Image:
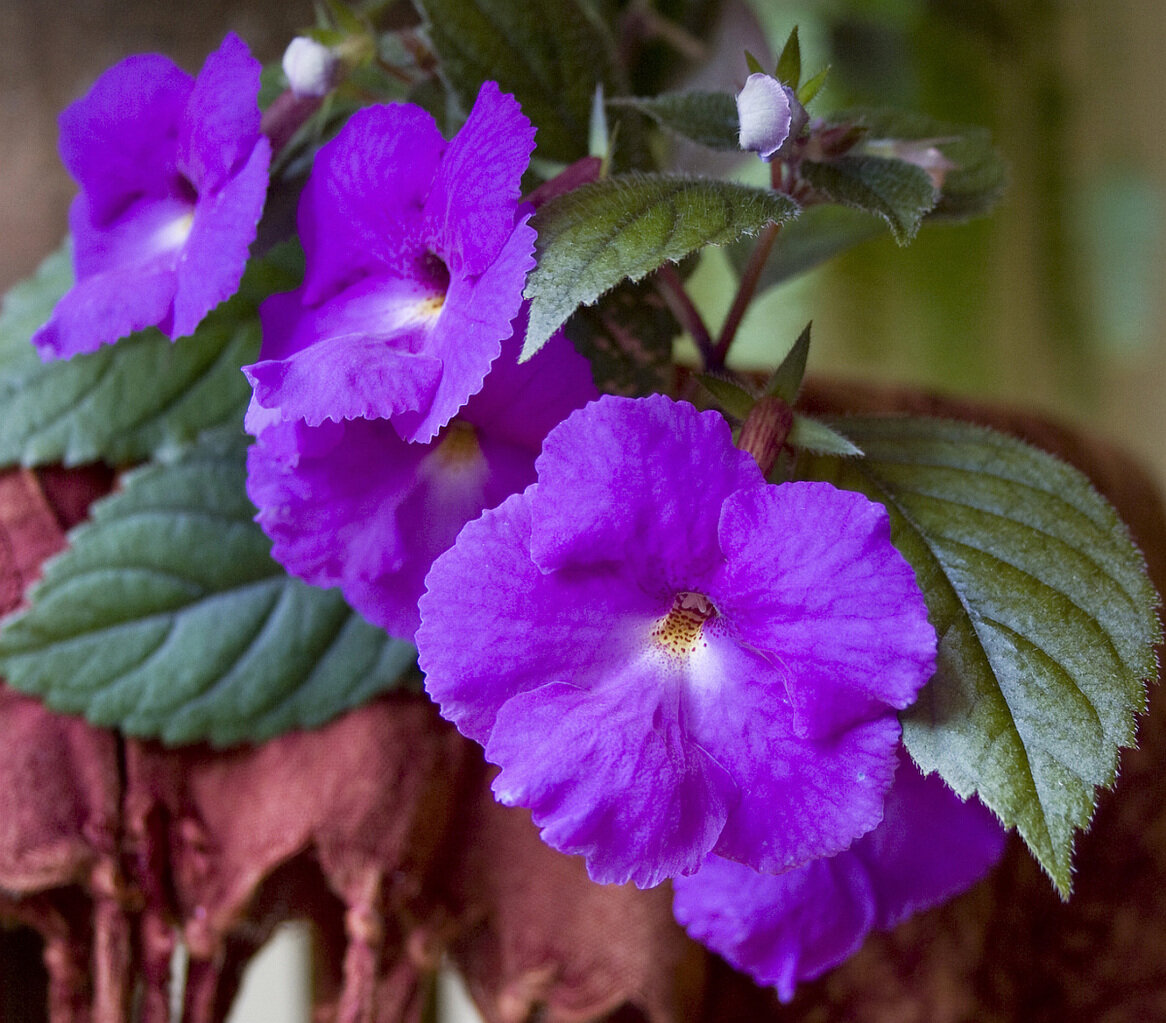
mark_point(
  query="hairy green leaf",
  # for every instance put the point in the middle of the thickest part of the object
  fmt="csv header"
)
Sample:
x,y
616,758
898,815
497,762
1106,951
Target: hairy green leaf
x,y
729,395
789,64
167,618
786,380
898,192
975,181
1045,616
129,401
624,228
549,53
813,435
709,118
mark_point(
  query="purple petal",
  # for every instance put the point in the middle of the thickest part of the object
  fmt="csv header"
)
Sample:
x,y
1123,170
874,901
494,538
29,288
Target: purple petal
x,y
107,306
931,846
814,583
220,126
119,141
215,254
467,336
621,478
361,213
800,798
795,926
634,797
493,625
346,376
470,212
149,233
779,929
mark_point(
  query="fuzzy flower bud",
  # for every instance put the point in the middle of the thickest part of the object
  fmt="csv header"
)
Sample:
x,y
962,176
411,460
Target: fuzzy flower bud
x,y
766,110
310,67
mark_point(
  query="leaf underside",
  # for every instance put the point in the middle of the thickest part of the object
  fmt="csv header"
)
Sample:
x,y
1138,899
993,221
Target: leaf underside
x,y
167,618
1045,616
623,228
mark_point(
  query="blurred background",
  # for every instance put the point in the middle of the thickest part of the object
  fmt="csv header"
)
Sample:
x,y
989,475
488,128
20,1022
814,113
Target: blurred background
x,y
1057,302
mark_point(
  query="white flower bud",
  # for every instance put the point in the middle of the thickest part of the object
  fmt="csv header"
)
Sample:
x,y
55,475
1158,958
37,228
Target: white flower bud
x,y
310,67
765,111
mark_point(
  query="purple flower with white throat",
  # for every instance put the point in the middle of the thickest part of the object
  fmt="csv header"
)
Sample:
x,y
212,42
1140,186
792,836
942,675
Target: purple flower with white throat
x,y
417,253
668,656
173,176
785,928
376,533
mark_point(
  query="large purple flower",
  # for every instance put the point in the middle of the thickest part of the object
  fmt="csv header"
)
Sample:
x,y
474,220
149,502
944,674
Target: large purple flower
x,y
786,928
173,174
417,253
668,656
352,505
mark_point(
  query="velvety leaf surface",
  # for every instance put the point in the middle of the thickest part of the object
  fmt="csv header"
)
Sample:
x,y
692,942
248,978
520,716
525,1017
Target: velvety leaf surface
x,y
1045,615
549,54
167,617
130,401
625,227
709,118
976,181
898,192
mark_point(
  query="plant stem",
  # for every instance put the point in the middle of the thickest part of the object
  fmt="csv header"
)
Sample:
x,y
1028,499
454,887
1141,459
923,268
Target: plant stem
x,y
745,291
671,289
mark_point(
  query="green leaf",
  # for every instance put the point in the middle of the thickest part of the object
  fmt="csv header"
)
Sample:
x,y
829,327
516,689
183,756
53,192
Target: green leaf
x,y
129,401
627,339
624,228
729,395
813,86
1045,616
815,436
167,618
979,176
709,118
898,192
789,64
549,53
786,380
754,64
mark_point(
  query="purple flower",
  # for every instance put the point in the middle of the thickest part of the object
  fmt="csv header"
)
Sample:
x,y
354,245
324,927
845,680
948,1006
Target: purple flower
x,y
417,253
668,656
173,174
352,505
795,926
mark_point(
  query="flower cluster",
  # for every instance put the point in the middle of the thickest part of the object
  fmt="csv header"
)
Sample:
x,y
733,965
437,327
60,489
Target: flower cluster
x,y
683,670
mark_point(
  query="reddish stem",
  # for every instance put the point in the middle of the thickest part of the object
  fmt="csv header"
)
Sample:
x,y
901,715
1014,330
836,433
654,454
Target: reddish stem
x,y
671,289
745,291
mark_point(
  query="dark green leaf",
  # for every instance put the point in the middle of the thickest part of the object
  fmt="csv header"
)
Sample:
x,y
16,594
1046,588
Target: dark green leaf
x,y
709,118
625,227
137,398
789,64
786,380
1044,612
899,192
976,182
627,338
549,53
754,65
167,618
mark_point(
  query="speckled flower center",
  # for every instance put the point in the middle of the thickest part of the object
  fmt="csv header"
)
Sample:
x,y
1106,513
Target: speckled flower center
x,y
678,633
458,445
434,275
